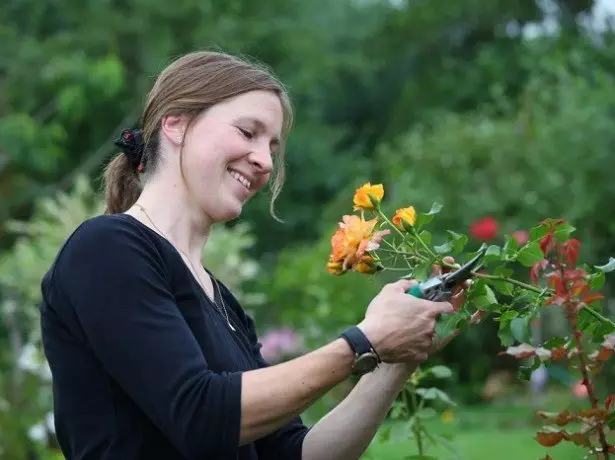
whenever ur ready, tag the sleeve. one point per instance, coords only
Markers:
(286, 443)
(115, 281)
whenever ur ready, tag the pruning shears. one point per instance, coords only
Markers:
(440, 288)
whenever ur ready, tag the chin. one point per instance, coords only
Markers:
(227, 213)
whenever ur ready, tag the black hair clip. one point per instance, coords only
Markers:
(131, 144)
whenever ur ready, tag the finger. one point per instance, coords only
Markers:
(458, 300)
(451, 262)
(438, 308)
(401, 285)
(436, 270)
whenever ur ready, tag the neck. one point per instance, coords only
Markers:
(167, 211)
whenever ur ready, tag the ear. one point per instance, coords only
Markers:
(173, 128)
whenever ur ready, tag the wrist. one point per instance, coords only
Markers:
(366, 359)
(372, 334)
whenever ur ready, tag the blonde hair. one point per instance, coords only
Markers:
(188, 86)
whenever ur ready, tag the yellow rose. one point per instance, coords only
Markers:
(405, 218)
(368, 196)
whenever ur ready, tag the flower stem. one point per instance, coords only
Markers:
(599, 317)
(420, 240)
(416, 428)
(527, 286)
(588, 383)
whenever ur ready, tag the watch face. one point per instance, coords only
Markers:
(365, 363)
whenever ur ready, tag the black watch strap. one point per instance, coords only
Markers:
(358, 341)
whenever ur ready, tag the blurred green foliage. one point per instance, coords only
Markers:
(440, 101)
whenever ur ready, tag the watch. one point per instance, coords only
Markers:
(366, 359)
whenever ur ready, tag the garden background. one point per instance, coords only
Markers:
(502, 111)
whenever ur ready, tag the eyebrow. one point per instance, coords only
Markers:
(260, 125)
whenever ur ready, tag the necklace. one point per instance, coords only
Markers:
(196, 273)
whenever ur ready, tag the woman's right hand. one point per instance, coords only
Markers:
(399, 326)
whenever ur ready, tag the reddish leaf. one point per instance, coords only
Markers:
(590, 298)
(549, 439)
(536, 269)
(609, 401)
(570, 249)
(525, 350)
(593, 413)
(558, 353)
(573, 274)
(547, 243)
(579, 287)
(559, 418)
(578, 438)
(556, 282)
(602, 354)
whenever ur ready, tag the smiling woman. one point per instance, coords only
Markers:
(152, 357)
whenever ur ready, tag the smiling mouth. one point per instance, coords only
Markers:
(240, 178)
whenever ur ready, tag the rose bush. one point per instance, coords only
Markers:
(403, 243)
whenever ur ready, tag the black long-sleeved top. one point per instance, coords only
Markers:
(144, 367)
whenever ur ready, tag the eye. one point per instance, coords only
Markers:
(245, 133)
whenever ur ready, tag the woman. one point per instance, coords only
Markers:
(152, 357)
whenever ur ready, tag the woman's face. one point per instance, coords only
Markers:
(228, 152)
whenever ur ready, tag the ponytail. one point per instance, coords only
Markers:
(121, 176)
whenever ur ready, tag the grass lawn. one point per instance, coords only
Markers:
(502, 431)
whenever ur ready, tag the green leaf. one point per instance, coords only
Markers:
(525, 373)
(419, 457)
(504, 330)
(482, 296)
(440, 372)
(426, 413)
(510, 249)
(592, 326)
(493, 253)
(446, 324)
(610, 421)
(434, 393)
(555, 342)
(608, 267)
(401, 431)
(563, 231)
(519, 328)
(424, 218)
(597, 280)
(426, 237)
(530, 254)
(502, 287)
(421, 271)
(458, 241)
(538, 232)
(444, 248)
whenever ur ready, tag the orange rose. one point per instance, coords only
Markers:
(368, 196)
(354, 237)
(335, 268)
(367, 265)
(405, 218)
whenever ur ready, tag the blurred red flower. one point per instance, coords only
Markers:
(484, 229)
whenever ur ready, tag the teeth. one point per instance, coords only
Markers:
(240, 178)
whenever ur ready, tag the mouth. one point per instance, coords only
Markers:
(240, 178)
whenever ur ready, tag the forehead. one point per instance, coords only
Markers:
(261, 107)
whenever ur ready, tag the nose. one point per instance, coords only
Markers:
(261, 159)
